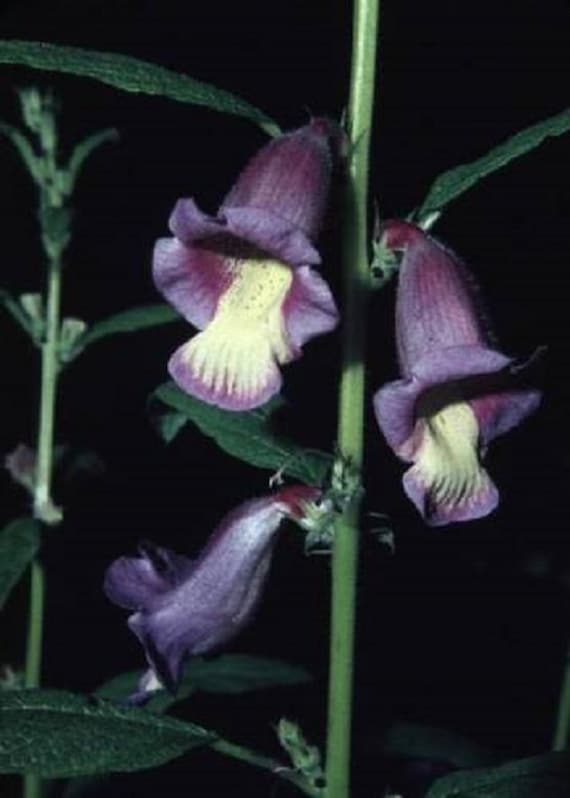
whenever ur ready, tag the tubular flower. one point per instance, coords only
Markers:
(244, 277)
(186, 607)
(456, 394)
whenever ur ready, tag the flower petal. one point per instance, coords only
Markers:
(437, 305)
(191, 278)
(289, 177)
(447, 482)
(462, 366)
(233, 362)
(500, 412)
(309, 308)
(134, 582)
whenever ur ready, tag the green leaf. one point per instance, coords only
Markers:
(19, 543)
(120, 687)
(416, 741)
(248, 436)
(127, 321)
(231, 674)
(132, 75)
(539, 777)
(82, 152)
(25, 149)
(17, 312)
(240, 673)
(56, 734)
(451, 184)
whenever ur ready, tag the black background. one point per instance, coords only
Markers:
(465, 627)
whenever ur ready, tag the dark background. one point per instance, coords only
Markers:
(464, 627)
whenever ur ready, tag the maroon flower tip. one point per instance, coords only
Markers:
(296, 497)
(397, 234)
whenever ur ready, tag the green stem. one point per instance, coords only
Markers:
(32, 784)
(351, 400)
(562, 730)
(266, 763)
(35, 625)
(43, 505)
(44, 508)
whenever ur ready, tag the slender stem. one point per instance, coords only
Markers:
(351, 400)
(562, 729)
(44, 508)
(43, 504)
(266, 763)
(32, 784)
(35, 630)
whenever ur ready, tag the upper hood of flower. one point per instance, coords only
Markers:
(437, 304)
(185, 607)
(278, 200)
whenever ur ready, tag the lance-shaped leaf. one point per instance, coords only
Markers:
(537, 777)
(56, 734)
(231, 674)
(131, 320)
(248, 436)
(130, 74)
(19, 543)
(451, 184)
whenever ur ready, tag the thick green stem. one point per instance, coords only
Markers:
(266, 763)
(351, 401)
(562, 729)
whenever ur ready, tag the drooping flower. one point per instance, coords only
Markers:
(186, 607)
(244, 278)
(457, 392)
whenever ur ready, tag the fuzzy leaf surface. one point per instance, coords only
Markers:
(56, 734)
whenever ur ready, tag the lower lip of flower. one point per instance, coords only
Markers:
(236, 355)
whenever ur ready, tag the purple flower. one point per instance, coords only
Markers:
(457, 392)
(244, 276)
(186, 607)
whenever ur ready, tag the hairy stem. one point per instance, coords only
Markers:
(351, 399)
(266, 763)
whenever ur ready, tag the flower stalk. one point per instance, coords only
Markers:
(234, 751)
(351, 400)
